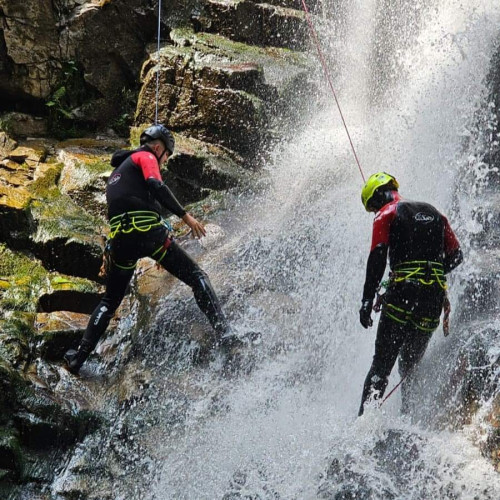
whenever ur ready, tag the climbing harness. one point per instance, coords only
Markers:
(139, 220)
(420, 271)
(403, 317)
(327, 74)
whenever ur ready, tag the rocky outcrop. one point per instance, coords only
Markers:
(223, 92)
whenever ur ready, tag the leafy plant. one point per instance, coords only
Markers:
(64, 100)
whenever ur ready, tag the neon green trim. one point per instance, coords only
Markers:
(423, 328)
(389, 315)
(125, 268)
(409, 273)
(162, 255)
(419, 323)
(142, 221)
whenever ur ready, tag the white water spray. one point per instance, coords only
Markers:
(274, 432)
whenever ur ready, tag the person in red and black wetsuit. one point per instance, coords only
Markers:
(136, 195)
(422, 249)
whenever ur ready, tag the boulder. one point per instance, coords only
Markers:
(57, 332)
(220, 91)
(23, 124)
(255, 23)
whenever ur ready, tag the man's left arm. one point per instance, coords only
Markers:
(375, 266)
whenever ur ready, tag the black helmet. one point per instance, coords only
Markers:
(159, 132)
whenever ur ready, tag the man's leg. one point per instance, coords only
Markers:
(390, 337)
(410, 355)
(116, 285)
(177, 262)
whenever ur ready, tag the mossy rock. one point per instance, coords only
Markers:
(24, 280)
(57, 332)
(68, 239)
(224, 92)
(10, 451)
(15, 337)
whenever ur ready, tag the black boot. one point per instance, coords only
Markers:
(75, 359)
(373, 389)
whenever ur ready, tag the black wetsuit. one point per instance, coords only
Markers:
(422, 250)
(135, 196)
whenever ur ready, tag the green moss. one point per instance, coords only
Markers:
(135, 134)
(10, 450)
(45, 186)
(62, 218)
(210, 43)
(98, 166)
(24, 280)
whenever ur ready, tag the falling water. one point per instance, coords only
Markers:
(410, 77)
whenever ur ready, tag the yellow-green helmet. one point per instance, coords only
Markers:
(374, 182)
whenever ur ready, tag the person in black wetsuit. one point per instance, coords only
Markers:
(136, 195)
(422, 250)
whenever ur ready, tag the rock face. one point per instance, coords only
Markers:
(221, 91)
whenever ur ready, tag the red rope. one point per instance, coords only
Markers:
(393, 390)
(327, 74)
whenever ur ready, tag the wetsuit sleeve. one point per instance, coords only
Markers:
(148, 163)
(375, 268)
(377, 259)
(453, 255)
(161, 192)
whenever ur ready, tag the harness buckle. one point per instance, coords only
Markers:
(125, 221)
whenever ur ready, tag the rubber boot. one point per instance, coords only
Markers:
(75, 359)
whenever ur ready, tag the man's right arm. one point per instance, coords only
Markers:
(453, 255)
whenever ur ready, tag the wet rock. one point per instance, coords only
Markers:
(480, 296)
(9, 380)
(206, 165)
(57, 332)
(251, 485)
(43, 419)
(342, 482)
(68, 239)
(221, 91)
(10, 453)
(7, 144)
(32, 156)
(255, 23)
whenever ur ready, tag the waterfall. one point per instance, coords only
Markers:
(410, 77)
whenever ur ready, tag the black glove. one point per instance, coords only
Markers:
(365, 313)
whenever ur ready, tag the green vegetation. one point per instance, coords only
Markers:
(23, 280)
